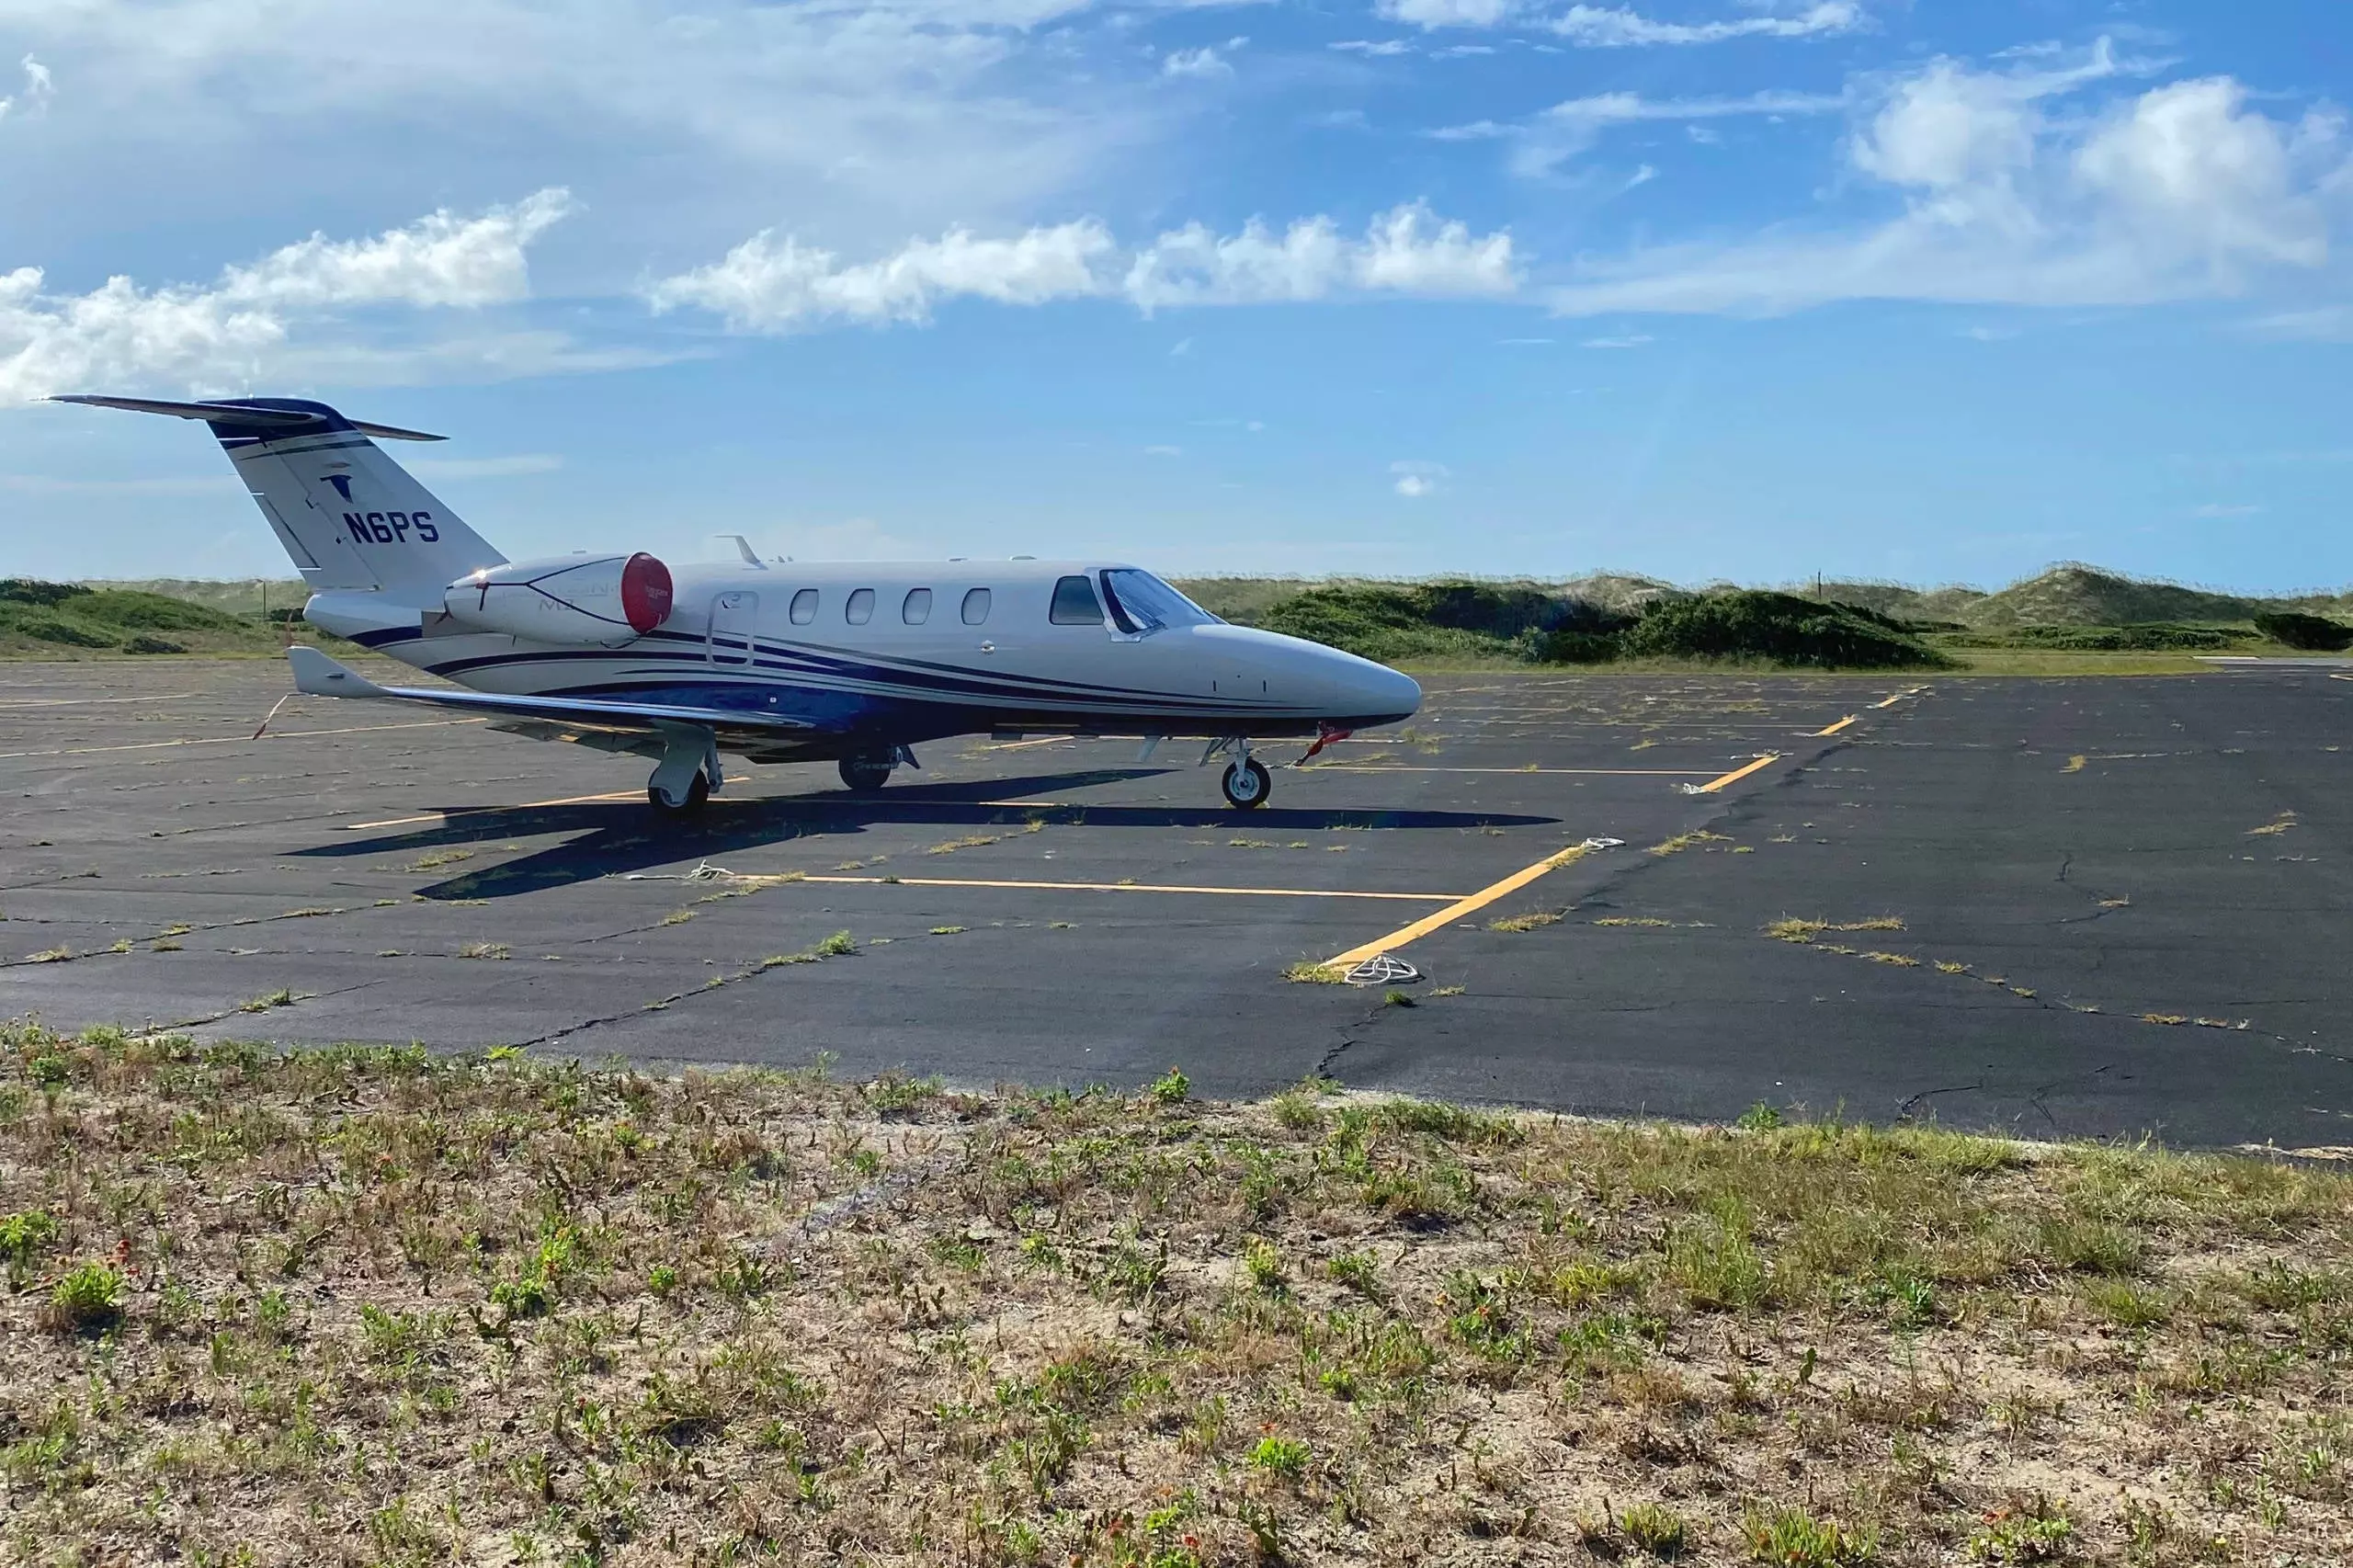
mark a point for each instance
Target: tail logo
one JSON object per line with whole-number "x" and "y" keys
{"x": 342, "y": 483}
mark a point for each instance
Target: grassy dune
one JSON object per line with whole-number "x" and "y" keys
{"x": 374, "y": 1306}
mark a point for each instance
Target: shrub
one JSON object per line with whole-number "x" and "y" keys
{"x": 28, "y": 591}
{"x": 1781, "y": 628}
{"x": 89, "y": 1296}
{"x": 2312, "y": 633}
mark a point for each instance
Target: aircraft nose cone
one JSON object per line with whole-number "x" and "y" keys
{"x": 1378, "y": 691}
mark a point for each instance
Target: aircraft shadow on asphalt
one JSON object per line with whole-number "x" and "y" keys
{"x": 620, "y": 837}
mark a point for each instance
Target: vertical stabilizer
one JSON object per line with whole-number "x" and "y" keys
{"x": 350, "y": 516}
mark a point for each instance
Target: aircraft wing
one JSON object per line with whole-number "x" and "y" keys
{"x": 318, "y": 676}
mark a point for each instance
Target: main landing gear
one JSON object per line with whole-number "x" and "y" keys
{"x": 689, "y": 772}
{"x": 869, "y": 771}
{"x": 1246, "y": 782}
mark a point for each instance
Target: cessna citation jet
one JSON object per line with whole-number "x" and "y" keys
{"x": 848, "y": 662}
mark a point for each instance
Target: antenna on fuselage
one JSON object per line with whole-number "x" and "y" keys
{"x": 744, "y": 549}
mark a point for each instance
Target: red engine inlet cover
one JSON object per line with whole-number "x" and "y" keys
{"x": 645, "y": 592}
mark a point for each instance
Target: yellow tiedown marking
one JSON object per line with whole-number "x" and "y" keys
{"x": 1459, "y": 907}
{"x": 1839, "y": 725}
{"x": 1737, "y": 774}
{"x": 472, "y": 811}
{"x": 1612, "y": 772}
{"x": 1892, "y": 701}
{"x": 1124, "y": 887}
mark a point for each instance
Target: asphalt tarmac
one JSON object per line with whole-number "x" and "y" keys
{"x": 2101, "y": 906}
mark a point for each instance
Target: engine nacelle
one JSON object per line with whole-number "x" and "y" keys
{"x": 604, "y": 600}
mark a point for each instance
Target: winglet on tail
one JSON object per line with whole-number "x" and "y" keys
{"x": 315, "y": 675}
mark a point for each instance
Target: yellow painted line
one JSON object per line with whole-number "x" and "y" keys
{"x": 1892, "y": 701}
{"x": 1737, "y": 774}
{"x": 1459, "y": 907}
{"x": 239, "y": 740}
{"x": 1127, "y": 887}
{"x": 1839, "y": 725}
{"x": 1613, "y": 772}
{"x": 472, "y": 811}
{"x": 1017, "y": 745}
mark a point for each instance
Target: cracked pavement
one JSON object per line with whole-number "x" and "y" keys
{"x": 2121, "y": 903}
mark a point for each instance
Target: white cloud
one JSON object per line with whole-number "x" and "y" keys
{"x": 1435, "y": 14}
{"x": 1406, "y": 250}
{"x": 119, "y": 333}
{"x": 1372, "y": 48}
{"x": 1605, "y": 27}
{"x": 1415, "y": 479}
{"x": 2181, "y": 191}
{"x": 768, "y": 284}
{"x": 771, "y": 285}
{"x": 441, "y": 259}
{"x": 1597, "y": 27}
{"x": 40, "y": 87}
{"x": 1625, "y": 340}
{"x": 1164, "y": 451}
{"x": 1205, "y": 63}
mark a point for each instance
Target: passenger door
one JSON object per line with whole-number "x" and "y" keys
{"x": 733, "y": 615}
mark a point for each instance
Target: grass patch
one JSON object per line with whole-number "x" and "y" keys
{"x": 369, "y": 1303}
{"x": 1535, "y": 919}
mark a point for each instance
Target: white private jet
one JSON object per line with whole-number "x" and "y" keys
{"x": 854, "y": 663}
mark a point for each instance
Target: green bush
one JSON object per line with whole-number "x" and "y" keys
{"x": 1780, "y": 628}
{"x": 89, "y": 1296}
{"x": 48, "y": 626}
{"x": 2312, "y": 633}
{"x": 2151, "y": 637}
{"x": 29, "y": 591}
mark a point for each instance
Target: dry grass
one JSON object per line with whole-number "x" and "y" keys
{"x": 1535, "y": 919}
{"x": 352, "y": 1305}
{"x": 1791, "y": 928}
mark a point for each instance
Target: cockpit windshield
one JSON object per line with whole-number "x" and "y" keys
{"x": 1141, "y": 603}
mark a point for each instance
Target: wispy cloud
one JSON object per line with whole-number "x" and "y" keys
{"x": 1597, "y": 27}
{"x": 1415, "y": 478}
{"x": 515, "y": 466}
{"x": 1627, "y": 340}
{"x": 39, "y": 88}
{"x": 1608, "y": 27}
{"x": 1203, "y": 64}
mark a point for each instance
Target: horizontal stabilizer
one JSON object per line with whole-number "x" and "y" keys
{"x": 289, "y": 421}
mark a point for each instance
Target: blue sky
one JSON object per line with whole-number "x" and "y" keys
{"x": 1739, "y": 288}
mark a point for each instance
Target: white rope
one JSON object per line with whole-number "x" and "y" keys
{"x": 1383, "y": 970}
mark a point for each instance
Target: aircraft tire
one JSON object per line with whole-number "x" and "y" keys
{"x": 697, "y": 796}
{"x": 864, "y": 775}
{"x": 1247, "y": 784}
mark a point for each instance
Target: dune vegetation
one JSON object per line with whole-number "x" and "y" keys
{"x": 380, "y": 1306}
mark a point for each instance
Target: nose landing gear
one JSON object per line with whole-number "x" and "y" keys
{"x": 1247, "y": 784}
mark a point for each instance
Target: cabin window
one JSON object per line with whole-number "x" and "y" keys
{"x": 804, "y": 606}
{"x": 918, "y": 609}
{"x": 860, "y": 608}
{"x": 976, "y": 606}
{"x": 1075, "y": 604}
